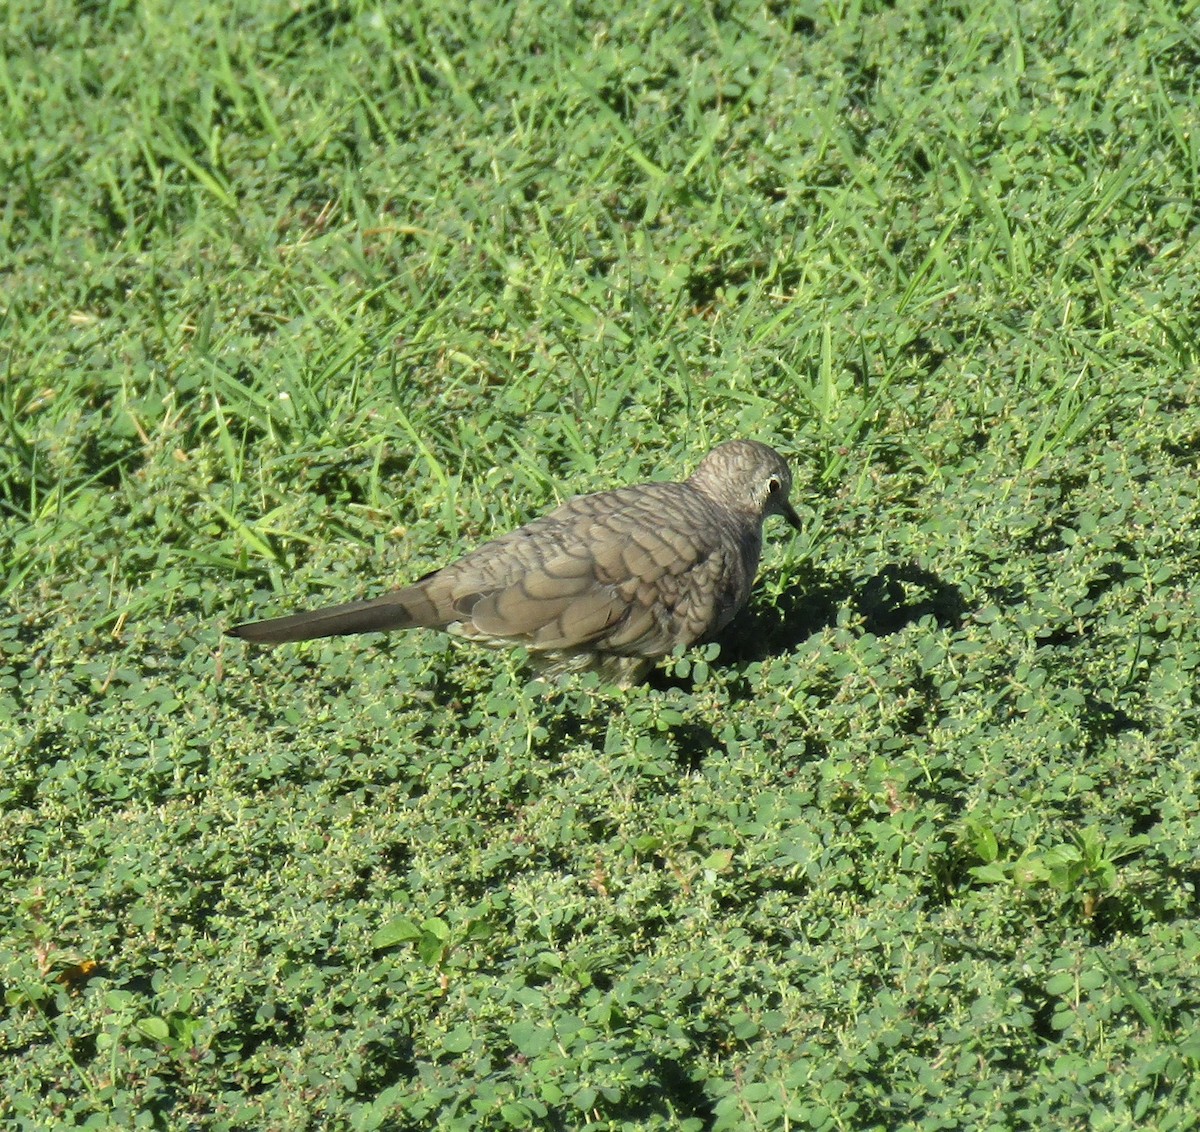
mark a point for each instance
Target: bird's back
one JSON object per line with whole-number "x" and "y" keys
{"x": 633, "y": 572}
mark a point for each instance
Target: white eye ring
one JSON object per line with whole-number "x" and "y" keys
{"x": 773, "y": 485}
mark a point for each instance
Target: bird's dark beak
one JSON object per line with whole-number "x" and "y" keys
{"x": 789, "y": 513}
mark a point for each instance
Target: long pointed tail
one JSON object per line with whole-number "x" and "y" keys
{"x": 402, "y": 609}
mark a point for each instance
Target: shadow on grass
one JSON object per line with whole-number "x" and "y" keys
{"x": 897, "y": 596}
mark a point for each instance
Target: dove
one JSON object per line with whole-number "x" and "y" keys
{"x": 609, "y": 582}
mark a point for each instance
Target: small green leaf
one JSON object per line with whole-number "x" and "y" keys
{"x": 153, "y": 1028}
{"x": 399, "y": 929}
{"x": 459, "y": 1040}
{"x": 530, "y": 1038}
{"x": 718, "y": 861}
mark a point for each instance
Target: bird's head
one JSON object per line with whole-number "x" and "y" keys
{"x": 747, "y": 477}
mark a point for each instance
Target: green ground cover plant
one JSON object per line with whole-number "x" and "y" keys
{"x": 300, "y": 300}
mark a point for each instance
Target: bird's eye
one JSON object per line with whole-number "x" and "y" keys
{"x": 773, "y": 485}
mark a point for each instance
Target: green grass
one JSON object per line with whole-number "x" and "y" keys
{"x": 300, "y": 301}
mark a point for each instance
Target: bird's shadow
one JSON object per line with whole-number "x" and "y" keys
{"x": 886, "y": 602}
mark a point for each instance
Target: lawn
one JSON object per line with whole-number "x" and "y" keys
{"x": 299, "y": 301}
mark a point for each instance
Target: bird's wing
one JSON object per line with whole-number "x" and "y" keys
{"x": 608, "y": 572}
